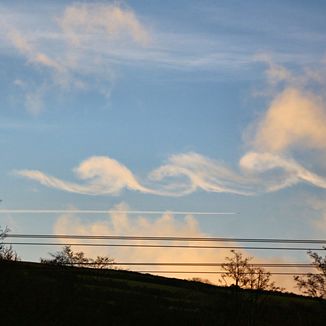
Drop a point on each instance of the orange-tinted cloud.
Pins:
(119, 223)
(295, 119)
(80, 21)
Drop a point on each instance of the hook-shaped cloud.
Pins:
(184, 174)
(103, 176)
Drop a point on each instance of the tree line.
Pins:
(237, 269)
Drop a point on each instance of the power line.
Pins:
(163, 238)
(277, 265)
(159, 246)
(219, 272)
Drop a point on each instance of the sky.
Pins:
(174, 106)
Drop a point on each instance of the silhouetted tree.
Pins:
(201, 280)
(6, 252)
(246, 275)
(66, 257)
(314, 284)
(102, 262)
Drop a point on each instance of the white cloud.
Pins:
(201, 173)
(77, 52)
(25, 47)
(295, 119)
(183, 174)
(79, 47)
(34, 94)
(20, 42)
(46, 61)
(81, 22)
(287, 172)
(293, 123)
(104, 175)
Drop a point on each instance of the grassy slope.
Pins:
(35, 294)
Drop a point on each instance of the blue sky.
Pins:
(175, 106)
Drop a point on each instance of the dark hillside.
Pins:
(37, 294)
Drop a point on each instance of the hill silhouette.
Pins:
(40, 294)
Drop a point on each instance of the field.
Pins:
(38, 294)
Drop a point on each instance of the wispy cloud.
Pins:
(79, 47)
(277, 172)
(184, 174)
(81, 22)
(202, 173)
(293, 122)
(27, 49)
(107, 177)
(86, 35)
(75, 50)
